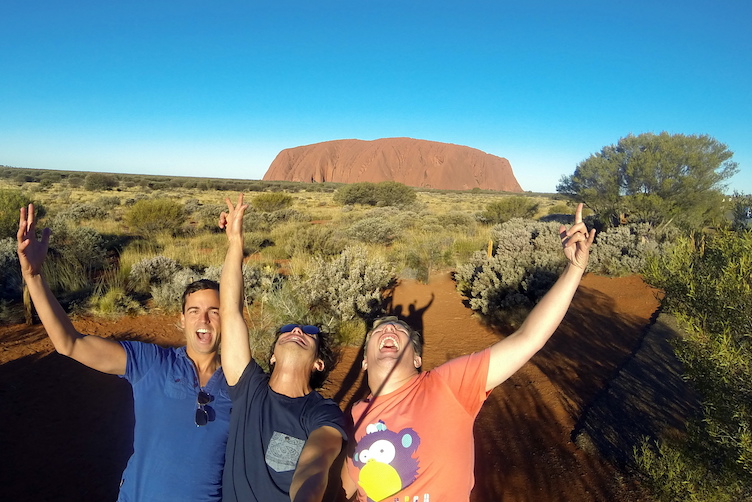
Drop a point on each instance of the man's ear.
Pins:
(319, 365)
(182, 321)
(417, 361)
(364, 364)
(273, 359)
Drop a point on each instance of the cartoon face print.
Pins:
(385, 459)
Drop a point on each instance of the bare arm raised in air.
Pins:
(511, 353)
(99, 353)
(236, 350)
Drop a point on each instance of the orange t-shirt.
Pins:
(416, 443)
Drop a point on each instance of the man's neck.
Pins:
(384, 380)
(205, 364)
(290, 382)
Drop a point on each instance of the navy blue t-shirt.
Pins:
(267, 434)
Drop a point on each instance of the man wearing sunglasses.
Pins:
(180, 397)
(414, 432)
(284, 436)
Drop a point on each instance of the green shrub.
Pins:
(149, 216)
(374, 230)
(742, 212)
(167, 294)
(347, 286)
(115, 301)
(527, 261)
(107, 203)
(422, 252)
(76, 256)
(194, 205)
(150, 271)
(271, 201)
(82, 211)
(625, 249)
(313, 239)
(392, 193)
(560, 209)
(675, 473)
(258, 281)
(11, 283)
(206, 216)
(708, 285)
(11, 201)
(385, 193)
(100, 181)
(508, 207)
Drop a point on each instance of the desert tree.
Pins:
(654, 178)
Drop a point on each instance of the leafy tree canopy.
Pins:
(654, 178)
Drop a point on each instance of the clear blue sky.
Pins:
(218, 88)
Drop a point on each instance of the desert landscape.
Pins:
(66, 430)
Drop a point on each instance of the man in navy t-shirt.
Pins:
(180, 395)
(284, 436)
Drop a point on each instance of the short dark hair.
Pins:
(199, 285)
(415, 337)
(325, 350)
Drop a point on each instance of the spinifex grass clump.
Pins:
(708, 286)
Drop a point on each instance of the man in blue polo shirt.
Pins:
(180, 395)
(284, 436)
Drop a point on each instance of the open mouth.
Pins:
(203, 335)
(296, 339)
(389, 342)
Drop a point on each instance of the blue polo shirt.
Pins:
(173, 459)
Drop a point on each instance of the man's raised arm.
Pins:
(101, 354)
(236, 349)
(511, 353)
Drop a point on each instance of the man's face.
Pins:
(200, 321)
(299, 343)
(390, 343)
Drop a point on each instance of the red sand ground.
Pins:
(64, 429)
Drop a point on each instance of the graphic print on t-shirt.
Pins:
(283, 452)
(385, 459)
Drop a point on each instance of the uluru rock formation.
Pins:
(413, 162)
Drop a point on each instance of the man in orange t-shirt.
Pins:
(414, 432)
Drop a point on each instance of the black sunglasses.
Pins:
(307, 329)
(202, 412)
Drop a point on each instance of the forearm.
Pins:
(236, 352)
(511, 353)
(543, 320)
(59, 328)
(98, 353)
(312, 473)
(231, 281)
(309, 486)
